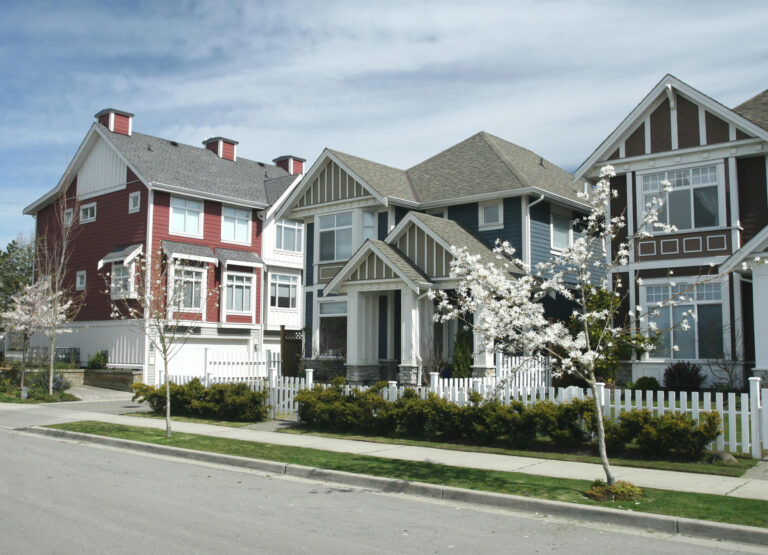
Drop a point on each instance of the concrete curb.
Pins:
(660, 523)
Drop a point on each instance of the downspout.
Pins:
(527, 246)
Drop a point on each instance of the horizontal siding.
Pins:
(467, 216)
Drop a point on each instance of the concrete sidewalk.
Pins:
(752, 486)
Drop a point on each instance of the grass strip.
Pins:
(691, 505)
(718, 469)
(57, 397)
(227, 423)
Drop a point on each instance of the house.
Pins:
(378, 238)
(202, 210)
(715, 160)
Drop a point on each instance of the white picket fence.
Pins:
(524, 371)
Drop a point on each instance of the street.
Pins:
(65, 497)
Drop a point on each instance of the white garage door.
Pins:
(189, 360)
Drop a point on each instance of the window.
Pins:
(288, 235)
(333, 329)
(369, 225)
(186, 217)
(88, 213)
(701, 306)
(188, 288)
(562, 234)
(80, 280)
(239, 293)
(491, 215)
(68, 217)
(335, 236)
(693, 201)
(121, 281)
(236, 225)
(134, 202)
(282, 291)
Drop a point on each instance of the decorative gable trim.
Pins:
(360, 258)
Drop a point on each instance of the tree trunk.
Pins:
(24, 349)
(609, 479)
(167, 399)
(52, 355)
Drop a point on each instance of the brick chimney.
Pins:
(116, 121)
(224, 148)
(292, 164)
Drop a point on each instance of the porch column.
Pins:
(483, 364)
(354, 353)
(410, 338)
(760, 309)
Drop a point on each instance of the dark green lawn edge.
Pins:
(689, 505)
(745, 462)
(57, 397)
(225, 423)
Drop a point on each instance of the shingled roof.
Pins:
(164, 162)
(755, 109)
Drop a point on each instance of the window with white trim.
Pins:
(283, 290)
(562, 231)
(335, 232)
(288, 235)
(68, 217)
(88, 213)
(693, 201)
(333, 328)
(80, 280)
(186, 217)
(369, 225)
(189, 286)
(699, 306)
(236, 225)
(239, 290)
(134, 202)
(120, 282)
(491, 214)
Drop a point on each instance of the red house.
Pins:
(132, 196)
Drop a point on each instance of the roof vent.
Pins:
(292, 164)
(224, 148)
(116, 121)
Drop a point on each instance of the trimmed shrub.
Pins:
(620, 491)
(98, 360)
(461, 365)
(646, 383)
(39, 380)
(676, 436)
(683, 376)
(562, 423)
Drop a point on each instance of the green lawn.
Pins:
(57, 397)
(226, 423)
(700, 506)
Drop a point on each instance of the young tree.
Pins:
(508, 313)
(153, 302)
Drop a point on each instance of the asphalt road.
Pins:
(64, 497)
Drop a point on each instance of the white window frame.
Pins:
(687, 281)
(482, 224)
(251, 299)
(556, 212)
(369, 231)
(80, 280)
(200, 216)
(68, 217)
(238, 214)
(335, 229)
(175, 268)
(84, 219)
(276, 279)
(134, 202)
(130, 293)
(298, 228)
(721, 215)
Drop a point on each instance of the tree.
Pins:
(16, 265)
(461, 365)
(508, 314)
(152, 300)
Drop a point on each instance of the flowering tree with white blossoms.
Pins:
(152, 300)
(508, 314)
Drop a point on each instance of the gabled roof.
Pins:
(386, 180)
(666, 85)
(124, 254)
(755, 109)
(758, 245)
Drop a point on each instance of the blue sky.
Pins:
(394, 82)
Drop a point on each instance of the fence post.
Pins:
(308, 375)
(498, 365)
(754, 415)
(207, 375)
(272, 390)
(392, 391)
(433, 382)
(601, 394)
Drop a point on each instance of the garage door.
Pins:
(189, 360)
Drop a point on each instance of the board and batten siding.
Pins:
(331, 184)
(371, 268)
(103, 170)
(424, 252)
(467, 216)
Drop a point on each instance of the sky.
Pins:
(395, 82)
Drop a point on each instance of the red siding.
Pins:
(227, 150)
(687, 123)
(298, 167)
(104, 120)
(717, 129)
(661, 128)
(213, 147)
(753, 201)
(122, 124)
(635, 144)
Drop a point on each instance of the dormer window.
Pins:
(491, 215)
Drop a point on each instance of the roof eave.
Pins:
(166, 188)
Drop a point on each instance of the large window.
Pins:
(121, 281)
(235, 225)
(188, 288)
(333, 329)
(700, 306)
(336, 236)
(282, 291)
(562, 234)
(693, 201)
(238, 293)
(369, 225)
(186, 217)
(288, 235)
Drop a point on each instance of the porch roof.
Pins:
(123, 254)
(239, 258)
(188, 251)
